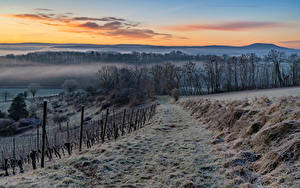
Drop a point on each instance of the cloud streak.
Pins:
(229, 26)
(43, 9)
(105, 26)
(104, 19)
(291, 42)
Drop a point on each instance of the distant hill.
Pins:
(258, 48)
(266, 46)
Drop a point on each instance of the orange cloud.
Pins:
(106, 26)
(229, 26)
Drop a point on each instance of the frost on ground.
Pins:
(173, 151)
(275, 92)
(260, 137)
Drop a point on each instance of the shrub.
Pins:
(33, 89)
(18, 109)
(175, 94)
(70, 85)
(2, 114)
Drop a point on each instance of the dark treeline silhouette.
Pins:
(84, 57)
(215, 74)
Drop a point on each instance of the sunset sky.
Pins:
(156, 22)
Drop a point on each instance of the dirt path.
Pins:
(173, 151)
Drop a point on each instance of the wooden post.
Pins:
(130, 120)
(150, 112)
(81, 128)
(49, 149)
(44, 134)
(14, 147)
(104, 126)
(68, 133)
(144, 115)
(123, 123)
(38, 138)
(136, 119)
(2, 154)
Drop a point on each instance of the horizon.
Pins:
(167, 23)
(216, 45)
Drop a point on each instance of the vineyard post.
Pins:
(38, 137)
(123, 123)
(130, 120)
(150, 112)
(105, 124)
(144, 115)
(81, 128)
(2, 154)
(136, 120)
(44, 134)
(68, 133)
(98, 130)
(140, 118)
(14, 147)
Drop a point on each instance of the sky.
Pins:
(154, 22)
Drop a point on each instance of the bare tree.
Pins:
(107, 76)
(294, 63)
(243, 65)
(5, 94)
(70, 85)
(277, 57)
(253, 59)
(33, 89)
(228, 74)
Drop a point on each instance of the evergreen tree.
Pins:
(17, 108)
(2, 115)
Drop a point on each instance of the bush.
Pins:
(175, 94)
(2, 114)
(70, 85)
(18, 109)
(33, 89)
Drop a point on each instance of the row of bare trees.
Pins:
(216, 74)
(249, 71)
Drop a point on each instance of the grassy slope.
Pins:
(174, 150)
(260, 135)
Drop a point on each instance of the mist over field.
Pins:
(22, 70)
(46, 75)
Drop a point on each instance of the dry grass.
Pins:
(261, 136)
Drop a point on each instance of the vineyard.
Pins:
(25, 151)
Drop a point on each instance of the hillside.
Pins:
(175, 150)
(171, 151)
(257, 131)
(259, 48)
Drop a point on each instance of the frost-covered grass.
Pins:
(172, 151)
(250, 94)
(175, 150)
(260, 135)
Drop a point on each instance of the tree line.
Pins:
(215, 74)
(114, 57)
